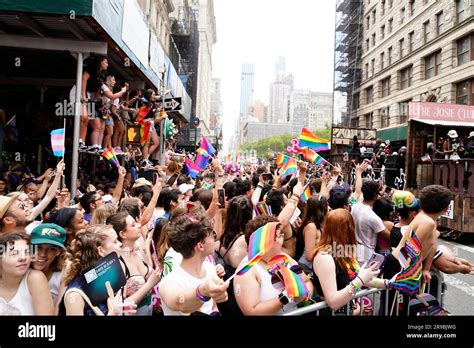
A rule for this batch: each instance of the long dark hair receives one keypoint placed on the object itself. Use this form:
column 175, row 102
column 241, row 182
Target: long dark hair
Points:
column 239, row 212
column 315, row 212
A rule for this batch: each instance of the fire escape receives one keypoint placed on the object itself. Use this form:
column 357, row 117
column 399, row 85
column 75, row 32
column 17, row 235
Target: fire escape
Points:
column 347, row 62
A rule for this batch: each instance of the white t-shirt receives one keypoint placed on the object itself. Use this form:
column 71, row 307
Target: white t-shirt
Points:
column 54, row 284
column 172, row 260
column 187, row 282
column 367, row 225
column 21, row 303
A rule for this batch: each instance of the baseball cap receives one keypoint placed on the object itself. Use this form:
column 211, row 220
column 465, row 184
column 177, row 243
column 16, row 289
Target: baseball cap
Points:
column 7, row 201
column 49, row 234
column 141, row 182
column 183, row 188
column 471, row 134
column 452, row 134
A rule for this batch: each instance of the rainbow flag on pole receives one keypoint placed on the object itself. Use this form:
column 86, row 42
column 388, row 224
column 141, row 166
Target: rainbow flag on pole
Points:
column 281, row 159
column 307, row 138
column 306, row 194
column 290, row 168
column 294, row 285
column 110, row 155
column 57, row 141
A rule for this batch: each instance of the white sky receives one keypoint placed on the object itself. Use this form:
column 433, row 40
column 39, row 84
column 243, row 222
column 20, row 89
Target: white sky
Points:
column 257, row 32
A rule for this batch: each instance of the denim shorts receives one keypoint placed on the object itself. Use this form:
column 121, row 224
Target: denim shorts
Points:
column 109, row 121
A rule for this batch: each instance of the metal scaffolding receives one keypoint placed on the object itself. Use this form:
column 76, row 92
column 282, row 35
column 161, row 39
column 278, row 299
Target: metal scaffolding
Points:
column 347, row 57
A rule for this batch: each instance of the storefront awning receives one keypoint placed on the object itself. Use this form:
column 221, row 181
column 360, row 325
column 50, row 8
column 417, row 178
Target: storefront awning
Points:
column 396, row 133
column 447, row 123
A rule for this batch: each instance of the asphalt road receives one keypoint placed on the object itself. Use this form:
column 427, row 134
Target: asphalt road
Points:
column 459, row 294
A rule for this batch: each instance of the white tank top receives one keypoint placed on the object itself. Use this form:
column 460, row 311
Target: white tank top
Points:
column 268, row 291
column 21, row 303
column 54, row 284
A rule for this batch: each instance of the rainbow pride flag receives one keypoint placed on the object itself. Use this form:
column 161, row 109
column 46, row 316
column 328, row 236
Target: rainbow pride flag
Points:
column 110, row 155
column 294, row 285
column 192, row 168
column 57, row 141
column 262, row 240
column 263, row 208
column 306, row 194
column 311, row 156
column 308, row 139
column 290, row 168
column 281, row 159
column 250, row 264
column 207, row 146
column 277, row 261
column 142, row 112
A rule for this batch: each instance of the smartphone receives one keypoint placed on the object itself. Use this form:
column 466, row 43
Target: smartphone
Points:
column 296, row 214
column 155, row 178
column 63, row 182
column 378, row 259
column 221, row 196
column 267, row 176
column 172, row 179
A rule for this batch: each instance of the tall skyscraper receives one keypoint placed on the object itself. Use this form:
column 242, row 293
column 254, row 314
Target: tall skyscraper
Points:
column 280, row 70
column 299, row 107
column 279, row 99
column 246, row 92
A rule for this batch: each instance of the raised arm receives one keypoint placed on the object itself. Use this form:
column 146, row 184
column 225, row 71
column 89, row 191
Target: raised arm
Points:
column 51, row 192
column 119, row 187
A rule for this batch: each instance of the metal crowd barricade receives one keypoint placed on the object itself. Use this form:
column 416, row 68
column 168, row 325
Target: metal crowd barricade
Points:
column 389, row 308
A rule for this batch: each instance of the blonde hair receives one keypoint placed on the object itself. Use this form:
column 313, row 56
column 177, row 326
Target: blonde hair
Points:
column 102, row 213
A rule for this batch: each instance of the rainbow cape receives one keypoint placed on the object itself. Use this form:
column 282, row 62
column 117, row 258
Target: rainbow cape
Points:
column 308, row 139
column 110, row 155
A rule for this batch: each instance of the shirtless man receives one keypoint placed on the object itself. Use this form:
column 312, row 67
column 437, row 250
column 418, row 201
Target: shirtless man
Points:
column 434, row 202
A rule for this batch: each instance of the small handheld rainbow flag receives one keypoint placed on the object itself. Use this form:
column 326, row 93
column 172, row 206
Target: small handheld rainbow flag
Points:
column 294, row 285
column 192, row 168
column 263, row 208
column 57, row 142
column 250, row 264
column 307, row 138
column 276, row 261
column 207, row 146
column 281, row 159
column 306, row 194
column 290, row 168
column 311, row 156
column 262, row 239
column 110, row 155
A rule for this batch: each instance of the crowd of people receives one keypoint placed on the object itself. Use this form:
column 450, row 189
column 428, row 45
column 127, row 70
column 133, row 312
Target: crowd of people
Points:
column 182, row 246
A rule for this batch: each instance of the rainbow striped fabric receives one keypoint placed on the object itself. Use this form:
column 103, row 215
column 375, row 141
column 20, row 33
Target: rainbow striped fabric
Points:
column 57, row 141
column 308, row 139
column 250, row 264
column 110, row 155
column 294, row 285
column 207, row 146
column 263, row 208
column 144, row 132
column 262, row 239
column 202, row 157
column 306, row 194
column 311, row 156
column 290, row 168
column 281, row 159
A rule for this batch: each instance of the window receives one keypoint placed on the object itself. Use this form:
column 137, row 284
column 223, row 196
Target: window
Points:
column 374, row 16
column 390, row 3
column 355, row 122
column 355, row 101
column 389, row 55
column 382, row 7
column 390, row 25
column 382, row 60
column 367, row 22
column 401, row 47
column 382, row 32
column 369, row 91
column 411, row 7
column 367, row 45
column 439, row 23
column 373, row 66
column 464, row 50
column 373, row 39
column 427, row 31
column 385, row 87
column 384, row 117
column 460, row 10
column 402, row 15
column 465, row 92
column 433, row 65
column 366, row 70
column 411, row 43
column 404, row 107
column 406, row 77
column 368, row 120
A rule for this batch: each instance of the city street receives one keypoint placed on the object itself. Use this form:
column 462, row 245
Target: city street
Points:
column 459, row 295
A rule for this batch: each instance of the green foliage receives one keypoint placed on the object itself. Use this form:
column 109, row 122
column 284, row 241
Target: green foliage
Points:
column 279, row 143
